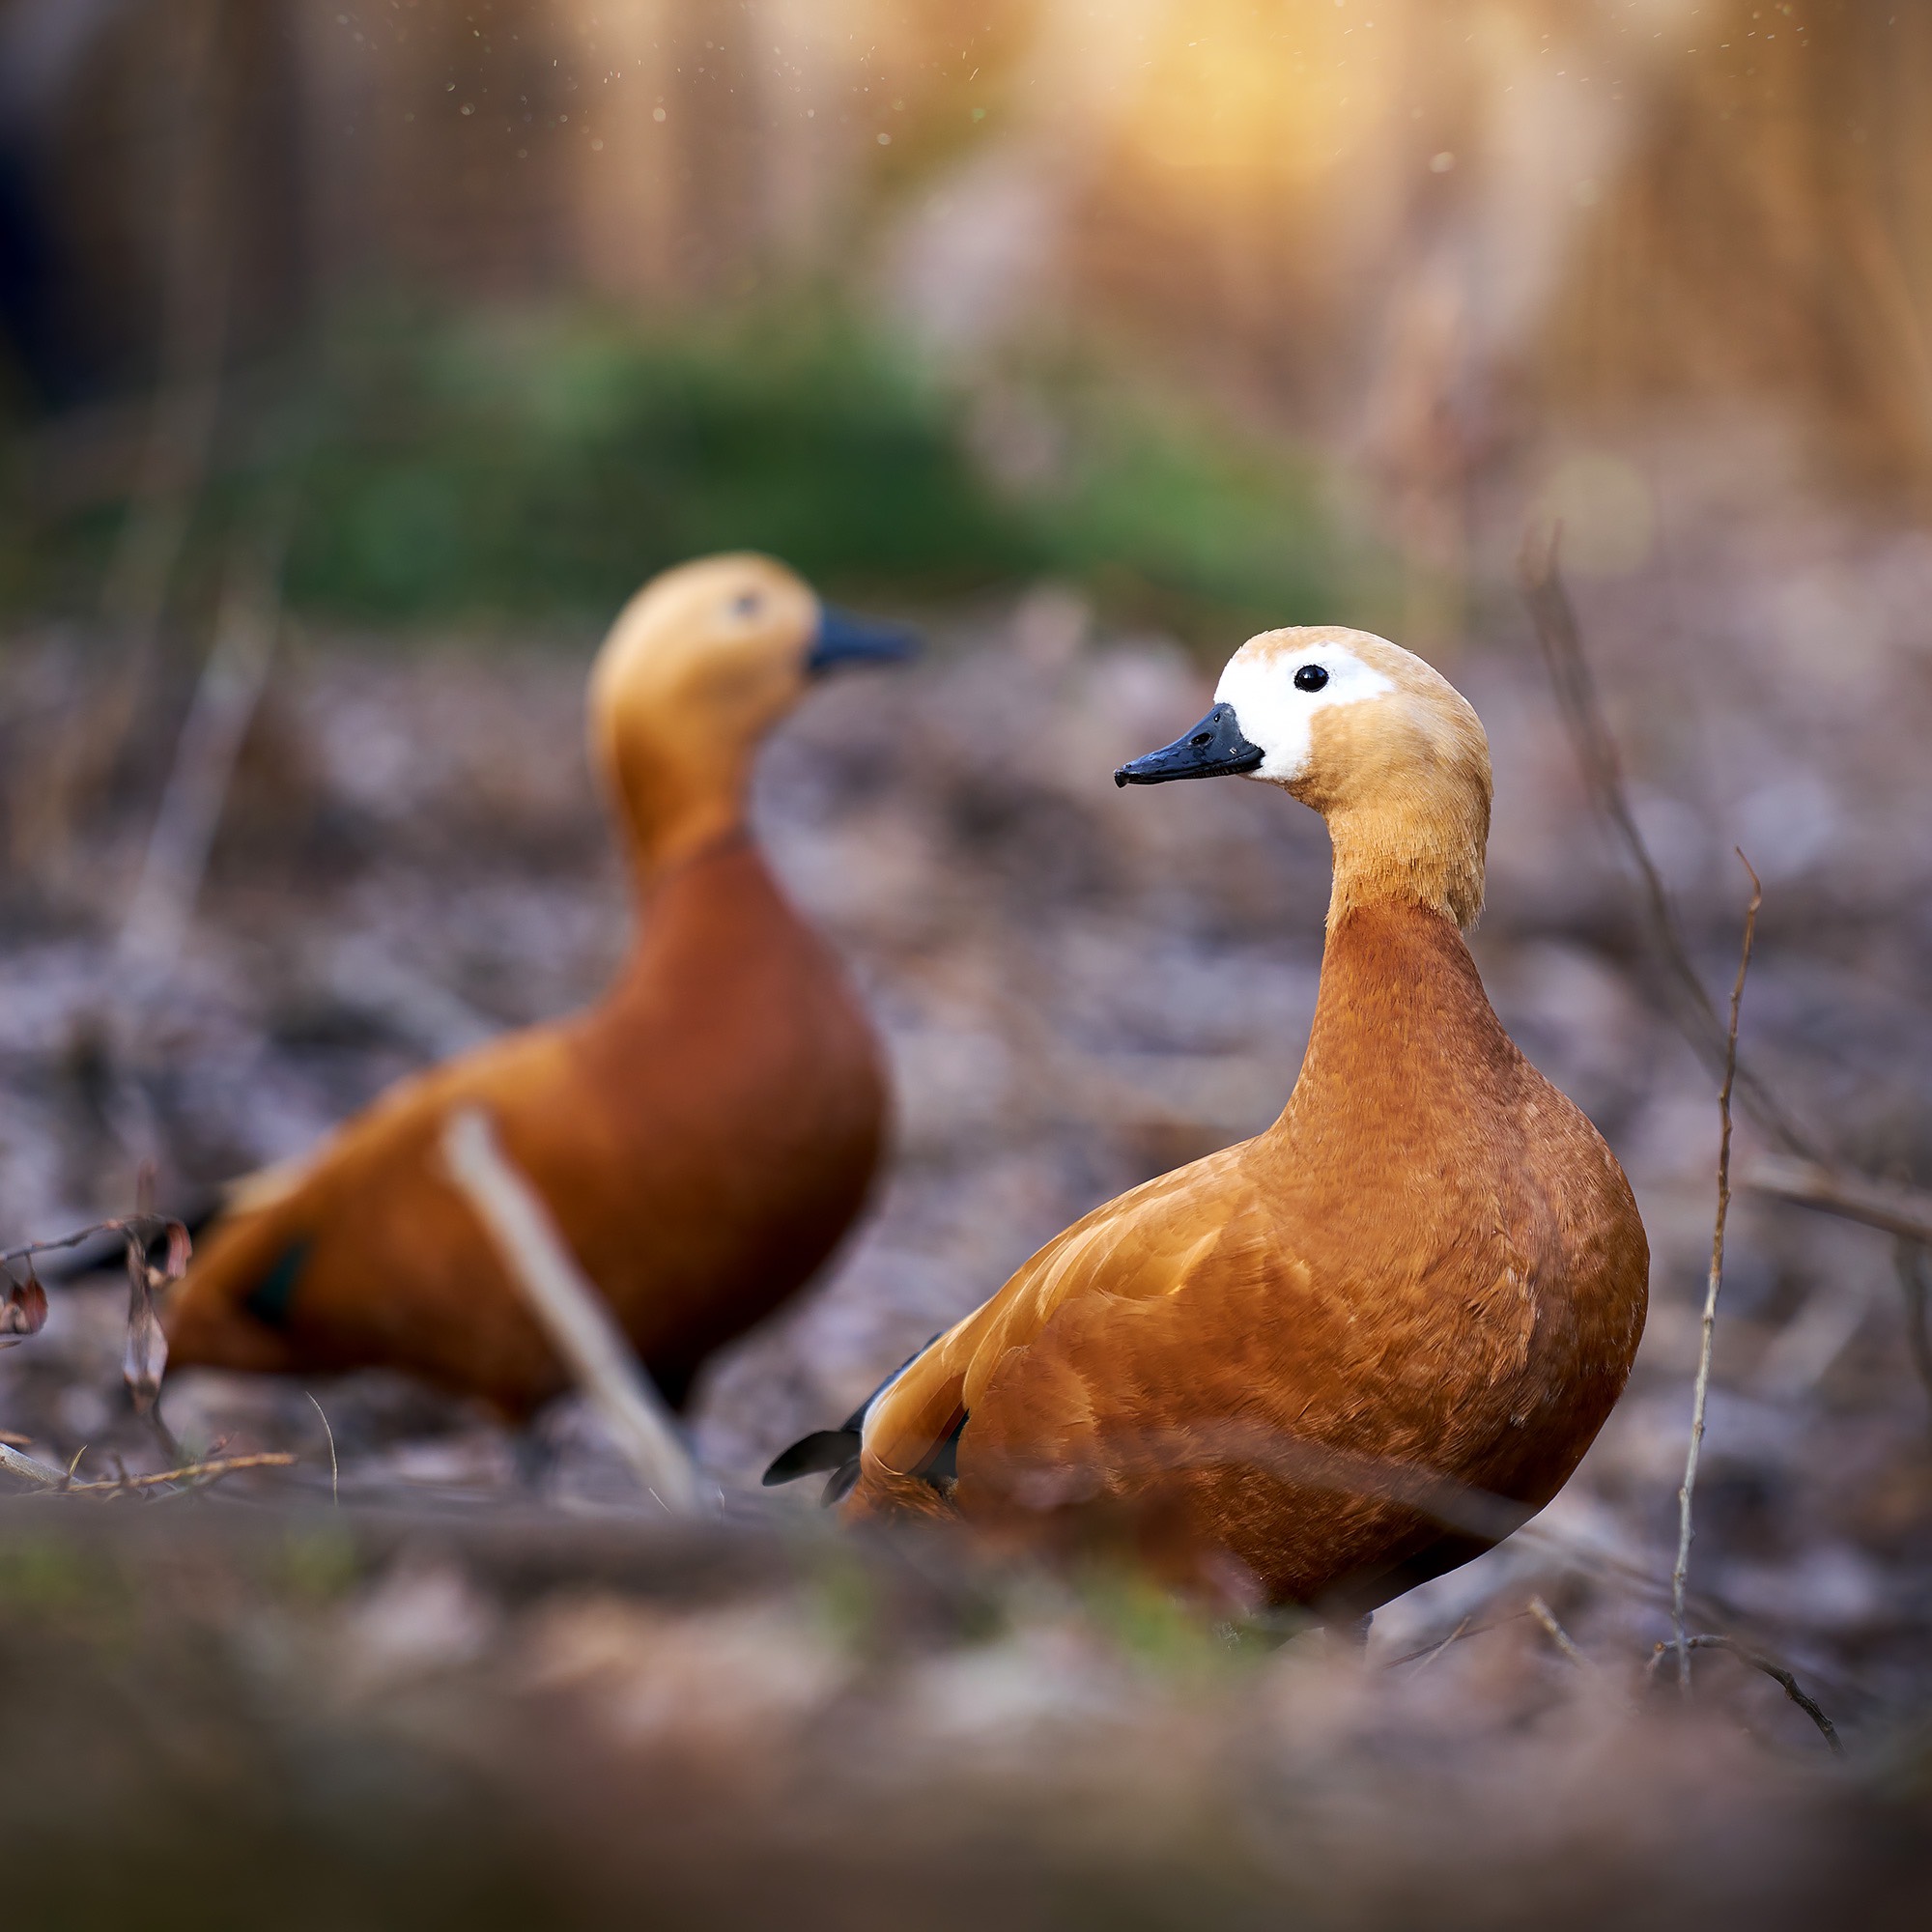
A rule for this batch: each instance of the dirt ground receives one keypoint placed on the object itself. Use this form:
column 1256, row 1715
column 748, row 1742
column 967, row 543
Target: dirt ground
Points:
column 489, row 1685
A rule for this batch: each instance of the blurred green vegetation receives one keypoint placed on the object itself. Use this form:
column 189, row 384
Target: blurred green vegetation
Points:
column 482, row 470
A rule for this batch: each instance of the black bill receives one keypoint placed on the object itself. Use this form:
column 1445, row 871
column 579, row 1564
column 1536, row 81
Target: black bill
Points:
column 1214, row 748
column 845, row 640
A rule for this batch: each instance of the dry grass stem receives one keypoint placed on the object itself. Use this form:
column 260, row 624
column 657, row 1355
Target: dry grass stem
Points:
column 1554, row 621
column 197, row 1473
column 1423, row 1658
column 334, row 1467
column 1556, row 1633
column 225, row 702
column 45, row 1477
column 571, row 1312
column 1714, row 1286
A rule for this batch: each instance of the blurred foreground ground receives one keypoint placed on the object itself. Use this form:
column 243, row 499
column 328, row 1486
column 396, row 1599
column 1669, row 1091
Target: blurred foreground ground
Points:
column 487, row 1685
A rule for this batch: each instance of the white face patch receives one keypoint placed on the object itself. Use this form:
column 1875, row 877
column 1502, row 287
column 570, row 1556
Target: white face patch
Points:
column 1276, row 715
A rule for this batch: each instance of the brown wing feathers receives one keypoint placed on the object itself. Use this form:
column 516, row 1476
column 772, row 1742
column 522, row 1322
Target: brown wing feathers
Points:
column 1426, row 1280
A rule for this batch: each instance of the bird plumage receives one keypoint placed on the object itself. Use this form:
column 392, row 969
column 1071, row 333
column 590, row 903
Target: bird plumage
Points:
column 704, row 1134
column 1426, row 1277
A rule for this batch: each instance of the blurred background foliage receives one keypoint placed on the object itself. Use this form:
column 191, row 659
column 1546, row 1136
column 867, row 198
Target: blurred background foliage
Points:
column 1225, row 310
column 540, row 465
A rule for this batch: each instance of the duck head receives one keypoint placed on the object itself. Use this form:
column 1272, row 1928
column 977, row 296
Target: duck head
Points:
column 700, row 666
column 1385, row 747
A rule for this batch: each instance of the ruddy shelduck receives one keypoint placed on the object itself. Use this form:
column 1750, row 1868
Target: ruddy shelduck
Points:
column 1347, row 1355
column 703, row 1135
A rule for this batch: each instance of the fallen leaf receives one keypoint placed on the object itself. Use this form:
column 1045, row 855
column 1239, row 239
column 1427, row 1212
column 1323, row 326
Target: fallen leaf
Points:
column 24, row 1312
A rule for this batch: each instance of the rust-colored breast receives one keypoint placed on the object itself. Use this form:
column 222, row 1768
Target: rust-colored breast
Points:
column 1427, row 1279
column 704, row 1136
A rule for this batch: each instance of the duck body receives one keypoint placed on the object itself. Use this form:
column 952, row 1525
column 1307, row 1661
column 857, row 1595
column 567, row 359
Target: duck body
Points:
column 703, row 1136
column 1430, row 1263
column 1323, row 1365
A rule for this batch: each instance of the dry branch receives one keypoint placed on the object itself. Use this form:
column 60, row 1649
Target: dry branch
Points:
column 1714, row 1286
column 571, row 1310
column 1554, row 621
column 1905, row 1211
column 1773, row 1669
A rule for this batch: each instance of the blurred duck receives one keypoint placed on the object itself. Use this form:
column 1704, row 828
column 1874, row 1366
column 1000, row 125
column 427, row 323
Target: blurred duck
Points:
column 703, row 1136
column 1346, row 1355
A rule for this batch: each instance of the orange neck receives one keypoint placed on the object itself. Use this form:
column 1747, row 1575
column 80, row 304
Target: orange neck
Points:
column 1404, row 1035
column 674, row 803
column 1391, row 854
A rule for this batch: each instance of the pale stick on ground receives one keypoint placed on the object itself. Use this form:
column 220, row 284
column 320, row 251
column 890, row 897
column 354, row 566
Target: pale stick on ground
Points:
column 29, row 1468
column 1713, row 1286
column 571, row 1312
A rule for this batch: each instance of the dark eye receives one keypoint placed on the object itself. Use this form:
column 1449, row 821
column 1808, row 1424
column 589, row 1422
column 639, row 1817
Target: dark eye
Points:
column 745, row 606
column 1310, row 677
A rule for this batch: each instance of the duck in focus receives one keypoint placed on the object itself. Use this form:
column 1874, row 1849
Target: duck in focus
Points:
column 703, row 1135
column 1328, row 1363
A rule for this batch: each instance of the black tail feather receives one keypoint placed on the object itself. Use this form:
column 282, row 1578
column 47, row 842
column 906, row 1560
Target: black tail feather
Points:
column 836, row 1449
column 823, row 1449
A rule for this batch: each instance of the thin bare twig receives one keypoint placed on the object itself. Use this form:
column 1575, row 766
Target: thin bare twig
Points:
column 1430, row 1651
column 577, row 1319
column 1556, row 1633
column 1898, row 1209
column 190, row 1472
column 1713, row 1286
column 1554, row 621
column 1912, row 1278
column 1771, row 1668
column 52, row 1481
column 334, row 1469
column 144, row 1227
column 225, row 702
